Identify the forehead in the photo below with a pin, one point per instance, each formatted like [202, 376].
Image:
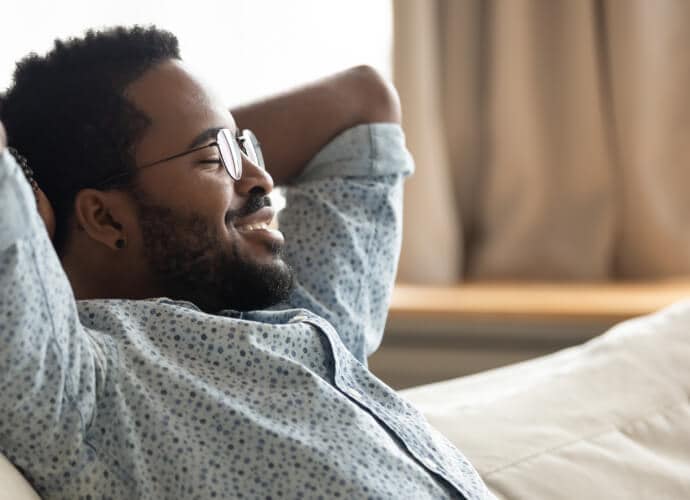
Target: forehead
[179, 105]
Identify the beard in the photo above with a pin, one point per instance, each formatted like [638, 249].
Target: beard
[189, 261]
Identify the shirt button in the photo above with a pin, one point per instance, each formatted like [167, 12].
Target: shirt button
[354, 393]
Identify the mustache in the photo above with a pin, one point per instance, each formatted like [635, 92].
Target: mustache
[256, 202]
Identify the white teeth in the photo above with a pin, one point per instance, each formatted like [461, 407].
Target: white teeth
[253, 227]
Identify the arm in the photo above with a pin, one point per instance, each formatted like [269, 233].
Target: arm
[344, 188]
[49, 370]
[293, 126]
[342, 226]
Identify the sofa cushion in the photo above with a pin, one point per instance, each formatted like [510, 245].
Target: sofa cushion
[607, 419]
[13, 486]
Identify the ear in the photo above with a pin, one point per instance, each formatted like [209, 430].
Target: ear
[105, 216]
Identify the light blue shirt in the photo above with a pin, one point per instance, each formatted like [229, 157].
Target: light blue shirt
[154, 398]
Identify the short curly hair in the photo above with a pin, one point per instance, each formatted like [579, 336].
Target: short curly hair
[67, 114]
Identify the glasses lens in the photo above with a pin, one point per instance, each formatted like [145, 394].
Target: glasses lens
[253, 147]
[230, 153]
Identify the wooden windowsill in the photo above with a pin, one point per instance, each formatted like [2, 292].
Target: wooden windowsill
[537, 301]
[517, 310]
[437, 333]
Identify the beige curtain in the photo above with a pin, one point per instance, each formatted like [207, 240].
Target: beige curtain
[552, 138]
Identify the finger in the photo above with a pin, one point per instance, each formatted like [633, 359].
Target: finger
[3, 138]
[45, 210]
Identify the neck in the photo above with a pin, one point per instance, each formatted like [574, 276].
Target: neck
[102, 274]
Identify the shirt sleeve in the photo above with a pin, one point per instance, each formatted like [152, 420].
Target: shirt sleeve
[48, 363]
[342, 225]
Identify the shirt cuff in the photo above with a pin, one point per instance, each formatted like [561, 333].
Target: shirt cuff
[376, 149]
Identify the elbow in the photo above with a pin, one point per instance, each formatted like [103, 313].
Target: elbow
[379, 99]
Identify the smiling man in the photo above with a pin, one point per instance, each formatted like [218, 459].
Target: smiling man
[198, 217]
[168, 343]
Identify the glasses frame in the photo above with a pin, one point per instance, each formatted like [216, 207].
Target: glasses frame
[228, 144]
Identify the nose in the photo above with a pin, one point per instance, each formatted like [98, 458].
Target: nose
[254, 178]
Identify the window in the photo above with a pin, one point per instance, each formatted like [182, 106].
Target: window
[269, 44]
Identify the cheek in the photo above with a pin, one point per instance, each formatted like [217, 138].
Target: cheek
[206, 193]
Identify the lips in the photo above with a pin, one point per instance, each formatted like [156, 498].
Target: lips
[257, 220]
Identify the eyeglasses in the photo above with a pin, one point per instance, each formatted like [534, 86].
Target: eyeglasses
[230, 146]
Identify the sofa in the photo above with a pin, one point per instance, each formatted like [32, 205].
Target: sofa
[607, 419]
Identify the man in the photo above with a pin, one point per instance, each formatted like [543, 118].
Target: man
[205, 355]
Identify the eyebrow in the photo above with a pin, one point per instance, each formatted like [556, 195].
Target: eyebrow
[209, 133]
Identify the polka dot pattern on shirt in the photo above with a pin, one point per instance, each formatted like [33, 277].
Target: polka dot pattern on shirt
[154, 398]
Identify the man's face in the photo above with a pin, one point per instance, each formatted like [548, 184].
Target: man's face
[197, 227]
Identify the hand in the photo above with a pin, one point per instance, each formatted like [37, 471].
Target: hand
[45, 210]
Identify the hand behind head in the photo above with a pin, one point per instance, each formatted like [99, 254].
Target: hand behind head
[45, 210]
